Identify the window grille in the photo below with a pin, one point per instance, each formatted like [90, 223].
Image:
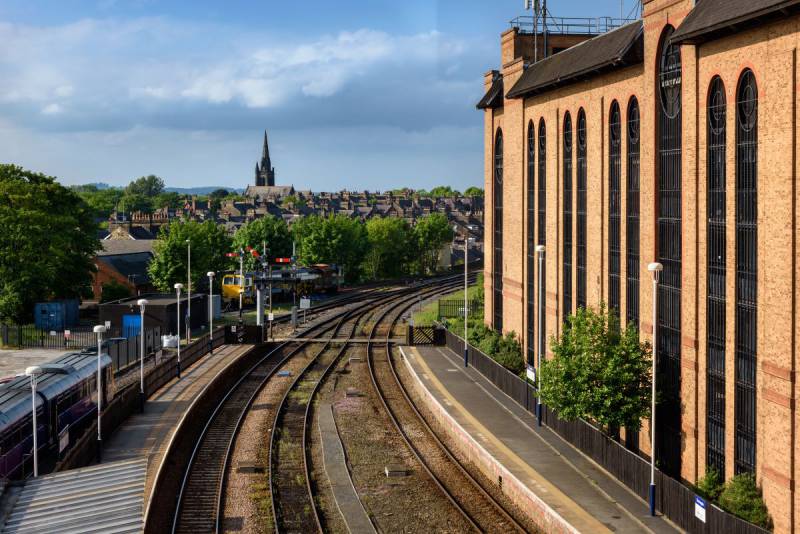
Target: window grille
[716, 279]
[580, 246]
[542, 207]
[497, 288]
[669, 242]
[567, 260]
[531, 226]
[632, 215]
[746, 272]
[614, 210]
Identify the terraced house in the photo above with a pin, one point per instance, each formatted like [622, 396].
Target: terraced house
[670, 139]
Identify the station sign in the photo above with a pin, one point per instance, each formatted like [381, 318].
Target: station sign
[283, 260]
[305, 304]
[700, 508]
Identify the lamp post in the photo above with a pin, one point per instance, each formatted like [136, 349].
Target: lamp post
[466, 299]
[656, 269]
[188, 291]
[178, 288]
[33, 372]
[210, 275]
[99, 330]
[142, 303]
[540, 253]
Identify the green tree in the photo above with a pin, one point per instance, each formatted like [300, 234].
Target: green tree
[148, 186]
[444, 191]
[168, 199]
[209, 242]
[102, 201]
[270, 230]
[47, 243]
[598, 372]
[219, 193]
[390, 245]
[431, 233]
[742, 497]
[337, 239]
[473, 192]
[131, 202]
[113, 290]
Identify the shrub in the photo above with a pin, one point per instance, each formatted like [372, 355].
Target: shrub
[598, 372]
[710, 486]
[113, 290]
[742, 497]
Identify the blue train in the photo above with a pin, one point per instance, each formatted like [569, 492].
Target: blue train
[66, 406]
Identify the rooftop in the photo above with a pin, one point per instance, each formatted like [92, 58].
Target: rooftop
[713, 18]
[567, 25]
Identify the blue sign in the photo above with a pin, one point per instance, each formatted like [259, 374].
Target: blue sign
[700, 508]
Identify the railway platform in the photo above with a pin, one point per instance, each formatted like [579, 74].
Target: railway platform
[574, 492]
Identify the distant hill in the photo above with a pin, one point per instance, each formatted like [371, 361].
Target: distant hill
[200, 190]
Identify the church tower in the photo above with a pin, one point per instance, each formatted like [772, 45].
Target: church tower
[265, 174]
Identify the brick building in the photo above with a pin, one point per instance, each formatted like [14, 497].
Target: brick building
[673, 139]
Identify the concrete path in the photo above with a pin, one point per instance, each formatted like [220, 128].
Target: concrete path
[344, 493]
[571, 484]
[147, 434]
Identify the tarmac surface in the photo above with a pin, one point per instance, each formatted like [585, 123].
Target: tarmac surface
[14, 361]
[579, 490]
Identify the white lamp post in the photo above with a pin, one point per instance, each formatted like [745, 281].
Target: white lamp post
[188, 291]
[178, 288]
[33, 372]
[540, 348]
[142, 303]
[210, 275]
[656, 269]
[99, 330]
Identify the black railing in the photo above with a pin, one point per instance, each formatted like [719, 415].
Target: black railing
[454, 308]
[673, 498]
[567, 25]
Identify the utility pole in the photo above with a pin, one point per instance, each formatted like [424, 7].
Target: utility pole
[189, 292]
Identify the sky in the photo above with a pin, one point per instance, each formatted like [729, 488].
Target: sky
[369, 94]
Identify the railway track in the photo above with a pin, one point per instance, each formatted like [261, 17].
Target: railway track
[199, 503]
[464, 491]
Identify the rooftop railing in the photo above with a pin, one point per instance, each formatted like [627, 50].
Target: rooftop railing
[567, 25]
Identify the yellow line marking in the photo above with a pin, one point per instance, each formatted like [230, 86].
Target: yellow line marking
[539, 482]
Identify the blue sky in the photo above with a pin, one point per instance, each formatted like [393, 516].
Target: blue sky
[367, 94]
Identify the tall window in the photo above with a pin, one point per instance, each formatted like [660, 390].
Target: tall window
[715, 305]
[567, 265]
[669, 242]
[614, 210]
[746, 271]
[580, 248]
[632, 216]
[497, 264]
[542, 218]
[531, 225]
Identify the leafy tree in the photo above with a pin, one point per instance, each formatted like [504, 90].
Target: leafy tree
[431, 233]
[102, 201]
[209, 242]
[288, 200]
[113, 290]
[390, 245]
[598, 372]
[131, 202]
[47, 243]
[473, 192]
[219, 193]
[148, 186]
[710, 486]
[168, 199]
[337, 239]
[444, 191]
[270, 230]
[742, 497]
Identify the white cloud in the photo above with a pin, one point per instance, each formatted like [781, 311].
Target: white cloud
[52, 109]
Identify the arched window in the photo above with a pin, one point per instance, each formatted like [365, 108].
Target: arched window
[669, 243]
[497, 259]
[716, 278]
[746, 272]
[531, 257]
[542, 230]
[567, 259]
[614, 210]
[580, 245]
[632, 216]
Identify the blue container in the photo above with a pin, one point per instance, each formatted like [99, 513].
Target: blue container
[131, 324]
[56, 315]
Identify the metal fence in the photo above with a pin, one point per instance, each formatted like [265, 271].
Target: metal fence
[452, 308]
[28, 336]
[673, 498]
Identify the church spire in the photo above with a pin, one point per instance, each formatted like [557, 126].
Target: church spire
[265, 173]
[265, 152]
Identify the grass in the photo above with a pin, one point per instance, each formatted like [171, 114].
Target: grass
[262, 497]
[430, 312]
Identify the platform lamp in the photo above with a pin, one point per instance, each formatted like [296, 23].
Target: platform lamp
[540, 252]
[99, 330]
[178, 288]
[142, 303]
[188, 290]
[656, 269]
[210, 275]
[34, 371]
[466, 291]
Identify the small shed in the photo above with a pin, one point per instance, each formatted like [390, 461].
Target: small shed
[56, 315]
[161, 311]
